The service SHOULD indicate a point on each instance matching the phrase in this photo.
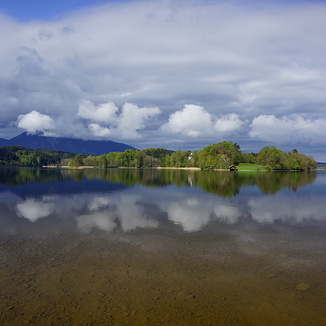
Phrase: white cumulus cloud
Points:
(34, 122)
(287, 130)
(133, 118)
(192, 121)
(99, 131)
(195, 121)
(228, 123)
(105, 112)
(107, 120)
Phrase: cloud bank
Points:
(287, 130)
(169, 73)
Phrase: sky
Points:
(177, 74)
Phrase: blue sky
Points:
(23, 10)
(166, 73)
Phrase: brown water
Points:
(156, 256)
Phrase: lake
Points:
(162, 247)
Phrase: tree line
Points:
(22, 156)
(217, 156)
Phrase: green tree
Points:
(219, 156)
(270, 157)
(76, 161)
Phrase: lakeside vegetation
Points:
(213, 157)
(22, 156)
(217, 156)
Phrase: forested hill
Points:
(22, 156)
(78, 146)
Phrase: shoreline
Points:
(167, 168)
(176, 168)
(120, 167)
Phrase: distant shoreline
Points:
(84, 167)
(120, 167)
(134, 168)
(68, 167)
(176, 168)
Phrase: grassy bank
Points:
(250, 167)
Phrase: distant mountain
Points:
(70, 145)
(3, 142)
(321, 165)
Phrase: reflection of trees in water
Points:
(221, 183)
(272, 182)
(226, 184)
(131, 177)
(20, 176)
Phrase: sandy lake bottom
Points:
(222, 275)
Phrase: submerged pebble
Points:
(303, 286)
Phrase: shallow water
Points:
(112, 247)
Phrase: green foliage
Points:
(217, 156)
(249, 158)
(76, 161)
(22, 156)
(271, 157)
(274, 159)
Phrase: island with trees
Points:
(218, 156)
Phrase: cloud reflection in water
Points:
(187, 207)
(34, 210)
(194, 213)
(122, 209)
(292, 210)
(101, 220)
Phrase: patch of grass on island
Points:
(250, 167)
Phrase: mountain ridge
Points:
(70, 145)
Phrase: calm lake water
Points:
(162, 247)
